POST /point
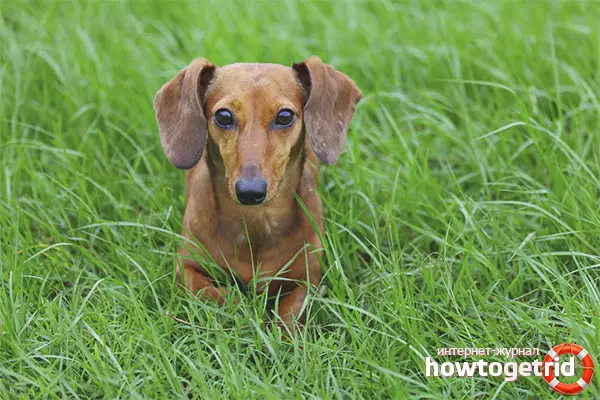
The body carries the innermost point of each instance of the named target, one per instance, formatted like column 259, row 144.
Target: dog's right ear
column 331, row 102
column 180, row 114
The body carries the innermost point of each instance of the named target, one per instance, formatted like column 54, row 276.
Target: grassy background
column 464, row 212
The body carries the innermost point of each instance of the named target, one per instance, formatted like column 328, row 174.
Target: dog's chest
column 263, row 241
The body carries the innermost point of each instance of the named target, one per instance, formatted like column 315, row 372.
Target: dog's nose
column 251, row 192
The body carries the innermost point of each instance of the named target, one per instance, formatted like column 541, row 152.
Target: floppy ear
column 331, row 99
column 180, row 114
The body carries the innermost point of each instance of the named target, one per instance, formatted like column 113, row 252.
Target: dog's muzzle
column 251, row 192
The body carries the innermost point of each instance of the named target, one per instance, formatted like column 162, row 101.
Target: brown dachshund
column 249, row 190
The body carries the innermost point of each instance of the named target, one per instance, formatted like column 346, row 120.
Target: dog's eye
column 285, row 117
column 224, row 118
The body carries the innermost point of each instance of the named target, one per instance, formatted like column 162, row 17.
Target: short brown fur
column 249, row 240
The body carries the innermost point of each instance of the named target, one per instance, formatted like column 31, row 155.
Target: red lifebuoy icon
column 568, row 388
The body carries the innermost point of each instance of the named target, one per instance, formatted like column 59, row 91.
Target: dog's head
column 255, row 115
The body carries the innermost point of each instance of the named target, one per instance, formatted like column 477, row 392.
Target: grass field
column 464, row 212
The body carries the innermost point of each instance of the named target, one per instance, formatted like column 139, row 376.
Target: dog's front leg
column 291, row 308
column 198, row 283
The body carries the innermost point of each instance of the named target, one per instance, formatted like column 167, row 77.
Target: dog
column 251, row 137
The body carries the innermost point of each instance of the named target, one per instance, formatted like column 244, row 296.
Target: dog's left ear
column 331, row 99
column 180, row 113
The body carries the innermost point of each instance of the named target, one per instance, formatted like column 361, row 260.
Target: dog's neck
column 263, row 223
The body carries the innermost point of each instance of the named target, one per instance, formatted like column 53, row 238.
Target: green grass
column 465, row 211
